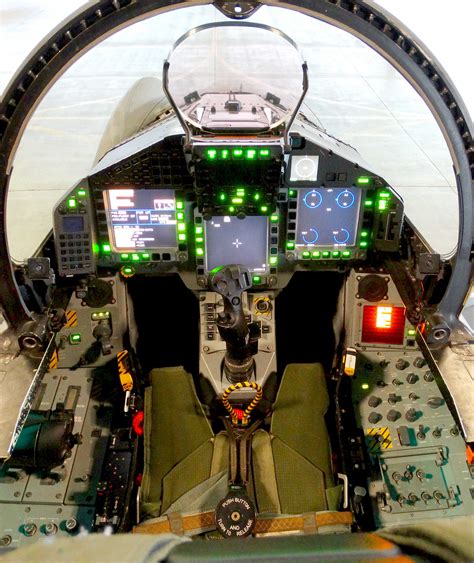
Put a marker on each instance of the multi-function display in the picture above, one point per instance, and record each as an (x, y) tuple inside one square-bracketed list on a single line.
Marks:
[(230, 240), (141, 219), (327, 217)]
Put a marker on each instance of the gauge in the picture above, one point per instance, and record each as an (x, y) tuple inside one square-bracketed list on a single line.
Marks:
[(304, 168), (345, 199), (313, 199), (310, 236)]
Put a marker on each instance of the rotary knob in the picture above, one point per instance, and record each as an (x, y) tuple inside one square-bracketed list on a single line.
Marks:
[(393, 415), (393, 398), (411, 415), (401, 364), (412, 378), (374, 401), (374, 417), (419, 362), (435, 402), (428, 377)]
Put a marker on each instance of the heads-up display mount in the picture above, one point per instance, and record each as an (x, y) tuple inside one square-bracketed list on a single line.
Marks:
[(237, 241), (141, 219)]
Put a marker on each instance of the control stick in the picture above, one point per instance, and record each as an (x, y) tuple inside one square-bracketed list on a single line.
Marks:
[(241, 338)]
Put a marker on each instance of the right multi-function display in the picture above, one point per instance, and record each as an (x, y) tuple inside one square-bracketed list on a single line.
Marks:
[(327, 217)]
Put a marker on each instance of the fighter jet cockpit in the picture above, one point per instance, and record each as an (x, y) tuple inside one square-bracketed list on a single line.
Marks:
[(234, 331)]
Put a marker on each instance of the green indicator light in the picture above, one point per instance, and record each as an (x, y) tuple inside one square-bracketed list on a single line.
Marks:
[(256, 197), (273, 260), (364, 234), (71, 203), (124, 256), (290, 245), (237, 153), (257, 279), (384, 195), (199, 239), (292, 193), (274, 218), (200, 251), (382, 205), (145, 256), (81, 193), (363, 180), (240, 192), (224, 154), (237, 200), (264, 209), (368, 203), (411, 332), (264, 152), (199, 230), (336, 254), (127, 271), (181, 237), (326, 254), (106, 248), (231, 209), (316, 254), (365, 386), (222, 197), (95, 248), (346, 254), (179, 205), (251, 154), (306, 254), (135, 257), (75, 338), (180, 216), (211, 154), (363, 244), (181, 227)]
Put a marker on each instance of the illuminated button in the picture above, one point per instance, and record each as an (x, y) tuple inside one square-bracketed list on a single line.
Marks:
[(106, 248), (273, 260), (264, 153), (336, 254), (346, 254), (200, 251), (181, 227), (124, 256), (81, 193), (326, 254), (363, 244), (306, 255), (264, 209), (211, 154), (292, 193), (71, 203), (256, 279), (127, 271), (231, 209), (316, 255), (135, 257), (256, 196), (251, 154), (182, 237), (290, 245), (179, 205), (363, 180), (274, 218), (75, 338), (237, 153), (368, 203), (200, 239), (382, 205), (224, 154), (145, 256), (199, 230), (180, 216), (237, 200), (100, 315)]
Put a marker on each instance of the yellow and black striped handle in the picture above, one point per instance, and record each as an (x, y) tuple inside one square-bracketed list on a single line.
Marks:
[(253, 403)]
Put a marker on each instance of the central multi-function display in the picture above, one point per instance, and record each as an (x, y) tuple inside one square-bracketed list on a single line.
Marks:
[(141, 219)]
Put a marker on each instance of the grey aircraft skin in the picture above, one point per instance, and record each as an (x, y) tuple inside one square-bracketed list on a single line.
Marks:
[(233, 331)]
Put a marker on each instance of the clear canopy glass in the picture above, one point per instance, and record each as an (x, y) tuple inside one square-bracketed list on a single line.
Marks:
[(220, 77)]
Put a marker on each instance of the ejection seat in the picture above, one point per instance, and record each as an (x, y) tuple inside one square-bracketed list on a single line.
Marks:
[(186, 464)]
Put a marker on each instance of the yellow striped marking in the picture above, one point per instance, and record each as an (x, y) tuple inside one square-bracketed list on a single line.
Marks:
[(250, 407), (378, 438), (71, 319), (54, 360), (125, 376)]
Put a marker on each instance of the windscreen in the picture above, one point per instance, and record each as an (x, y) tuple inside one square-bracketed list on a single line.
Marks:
[(221, 77)]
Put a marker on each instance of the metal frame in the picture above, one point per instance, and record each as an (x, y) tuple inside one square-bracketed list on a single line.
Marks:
[(362, 18)]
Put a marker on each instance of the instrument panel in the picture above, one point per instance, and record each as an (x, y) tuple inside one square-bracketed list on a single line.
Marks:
[(323, 212)]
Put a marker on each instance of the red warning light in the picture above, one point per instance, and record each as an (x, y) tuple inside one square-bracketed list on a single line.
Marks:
[(383, 324)]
